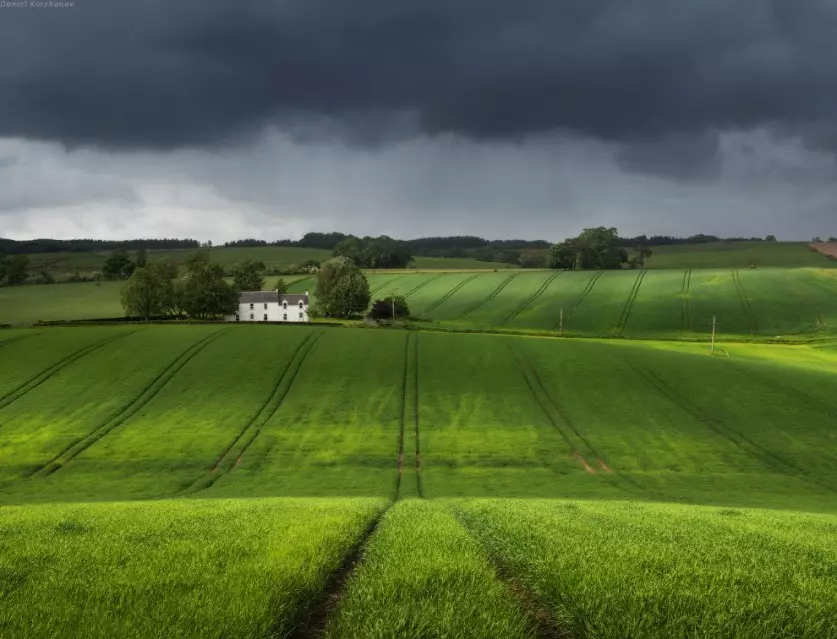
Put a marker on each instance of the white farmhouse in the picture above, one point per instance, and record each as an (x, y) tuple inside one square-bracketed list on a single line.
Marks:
[(270, 306)]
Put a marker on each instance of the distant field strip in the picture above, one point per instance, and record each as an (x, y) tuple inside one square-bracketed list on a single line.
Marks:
[(422, 284), (745, 303), (720, 427), (685, 308), (233, 453), (625, 315), (531, 299), (449, 294), (489, 297), (578, 300), (148, 393), (57, 367)]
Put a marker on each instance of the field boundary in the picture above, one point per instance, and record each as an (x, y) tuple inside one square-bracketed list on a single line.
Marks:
[(625, 315), (51, 371), (539, 615), (312, 622), (686, 302), (488, 297), (739, 440), (579, 299), (750, 316), (531, 299), (449, 294), (256, 424), (129, 410)]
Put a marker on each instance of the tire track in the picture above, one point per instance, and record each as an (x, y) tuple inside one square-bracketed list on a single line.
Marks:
[(419, 486), (385, 284), (816, 285), (421, 285), (403, 418), (52, 370), (528, 302), (625, 315), (578, 300), (14, 340), (741, 441), (254, 427), (750, 316), (685, 302), (449, 294), (574, 438), (489, 297), (312, 622), (146, 395)]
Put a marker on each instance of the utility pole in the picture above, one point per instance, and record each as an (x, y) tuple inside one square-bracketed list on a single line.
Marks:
[(713, 334), (393, 307), (561, 325)]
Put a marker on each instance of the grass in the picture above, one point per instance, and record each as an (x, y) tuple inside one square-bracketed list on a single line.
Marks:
[(214, 480), (657, 571), (220, 568), (737, 255)]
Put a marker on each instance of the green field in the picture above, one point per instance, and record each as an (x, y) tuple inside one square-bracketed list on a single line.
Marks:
[(738, 255), (251, 481)]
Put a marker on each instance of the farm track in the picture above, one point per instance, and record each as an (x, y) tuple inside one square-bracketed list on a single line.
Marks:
[(685, 302), (52, 370), (578, 300), (539, 615), (312, 623), (403, 417), (385, 284), (13, 340), (745, 303), (146, 395), (421, 285), (810, 283), (625, 315), (531, 299), (254, 427), (419, 486), (449, 294), (488, 298), (742, 442)]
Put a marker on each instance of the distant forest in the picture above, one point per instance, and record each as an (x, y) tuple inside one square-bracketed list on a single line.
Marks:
[(461, 246)]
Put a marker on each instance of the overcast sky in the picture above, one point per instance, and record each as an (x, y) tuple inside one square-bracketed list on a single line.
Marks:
[(220, 120)]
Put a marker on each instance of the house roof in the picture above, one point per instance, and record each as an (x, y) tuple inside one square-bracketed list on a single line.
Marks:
[(259, 297)]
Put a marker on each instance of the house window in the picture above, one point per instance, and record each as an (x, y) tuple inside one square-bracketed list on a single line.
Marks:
[(265, 317), (237, 318), (302, 316), (265, 306), (300, 303), (285, 305), (251, 307), (285, 317), (251, 316)]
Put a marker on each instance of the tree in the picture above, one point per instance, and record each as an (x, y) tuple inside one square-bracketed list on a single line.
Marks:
[(392, 307), (144, 294), (770, 238), (14, 270), (642, 251), (142, 256), (204, 293), (832, 239), (531, 260), (599, 249), (342, 289), (816, 240), (562, 256), (281, 286), (247, 276), (374, 252), (118, 266)]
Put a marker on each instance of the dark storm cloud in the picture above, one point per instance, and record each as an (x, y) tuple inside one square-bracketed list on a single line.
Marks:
[(654, 74)]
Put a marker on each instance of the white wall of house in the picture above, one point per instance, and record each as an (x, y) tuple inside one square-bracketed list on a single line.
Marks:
[(270, 312)]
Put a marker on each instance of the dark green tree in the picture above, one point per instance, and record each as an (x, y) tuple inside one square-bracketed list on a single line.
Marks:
[(770, 238), (388, 308), (342, 289), (248, 276), (14, 269), (142, 256), (562, 257), (204, 293), (118, 266)]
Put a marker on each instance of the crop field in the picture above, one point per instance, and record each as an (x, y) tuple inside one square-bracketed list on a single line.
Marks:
[(251, 481), (739, 255)]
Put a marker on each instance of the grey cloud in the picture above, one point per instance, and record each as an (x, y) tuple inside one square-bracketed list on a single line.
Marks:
[(164, 75)]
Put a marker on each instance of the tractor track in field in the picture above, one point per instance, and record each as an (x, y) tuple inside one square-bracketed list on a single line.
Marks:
[(403, 420), (488, 297), (384, 284), (750, 316), (810, 283), (544, 622), (51, 371), (419, 487), (525, 365), (151, 390), (742, 442), (421, 285), (253, 428), (312, 622), (449, 294), (14, 340), (531, 299), (579, 299), (685, 302), (625, 315)]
